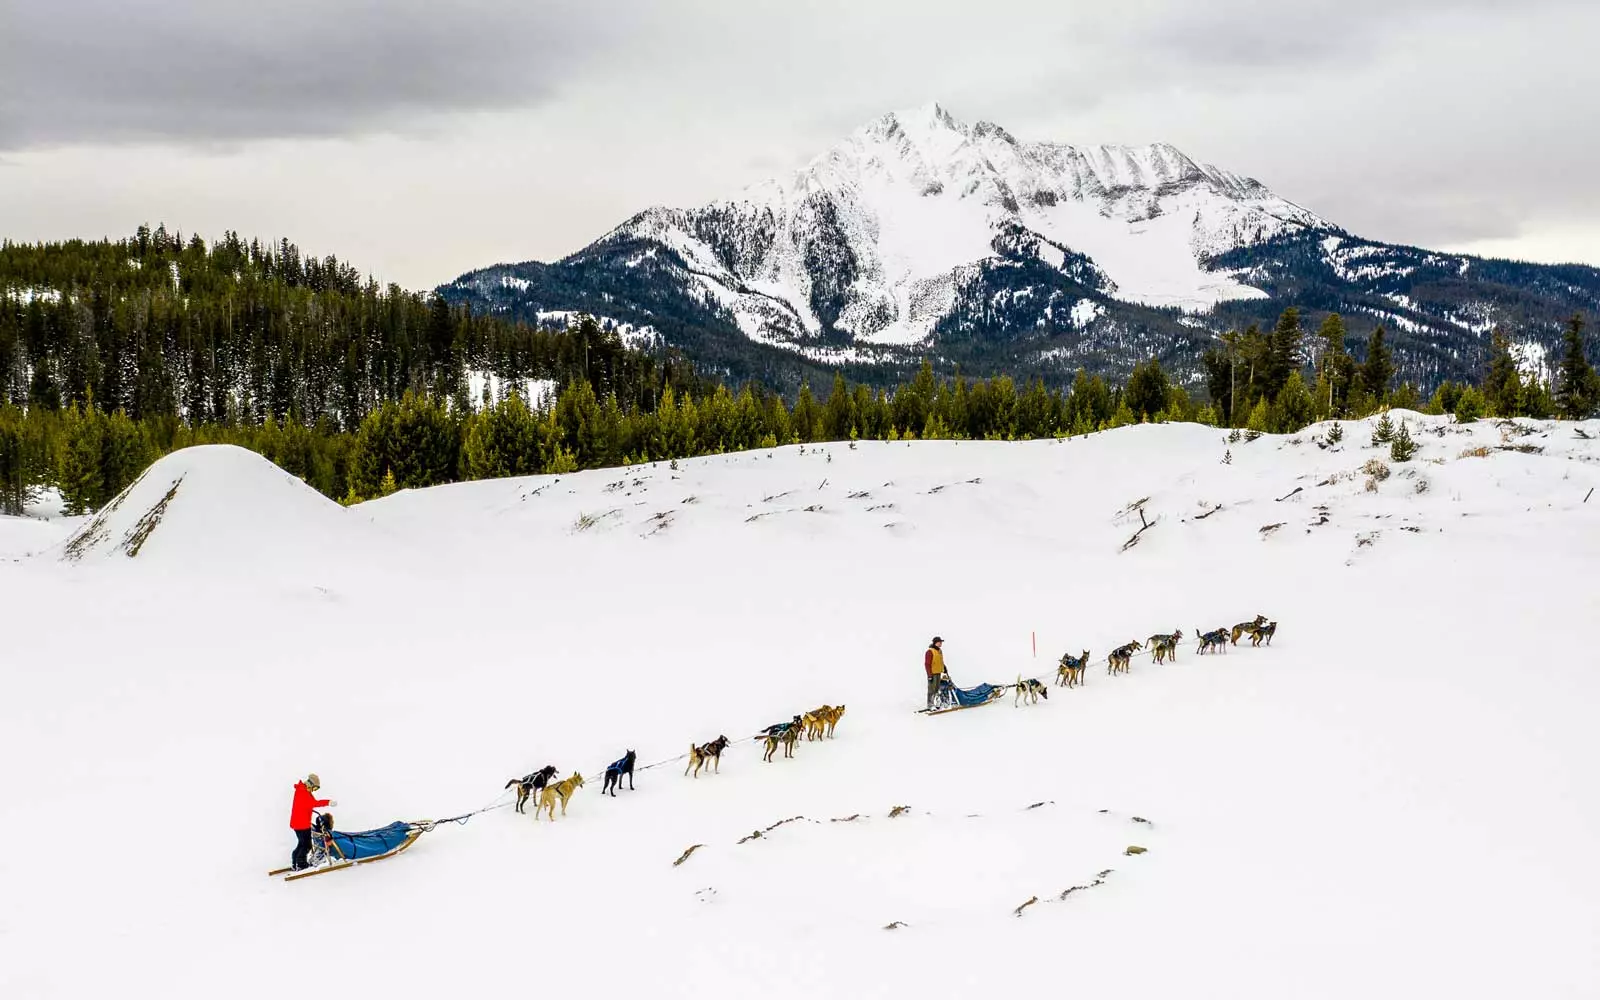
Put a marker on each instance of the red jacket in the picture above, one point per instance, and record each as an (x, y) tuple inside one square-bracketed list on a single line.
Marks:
[(304, 802)]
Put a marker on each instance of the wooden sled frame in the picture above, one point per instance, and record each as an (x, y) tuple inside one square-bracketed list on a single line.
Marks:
[(411, 838)]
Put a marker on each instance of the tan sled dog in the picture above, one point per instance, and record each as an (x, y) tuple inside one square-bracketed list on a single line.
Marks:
[(562, 790), (834, 715), (816, 722)]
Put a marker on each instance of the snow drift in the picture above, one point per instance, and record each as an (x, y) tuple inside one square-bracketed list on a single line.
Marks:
[(221, 508)]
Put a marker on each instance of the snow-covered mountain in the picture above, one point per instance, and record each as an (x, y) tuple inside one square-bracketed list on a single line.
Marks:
[(923, 235)]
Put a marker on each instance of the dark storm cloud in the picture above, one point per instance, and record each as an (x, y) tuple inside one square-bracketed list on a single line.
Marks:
[(98, 71)]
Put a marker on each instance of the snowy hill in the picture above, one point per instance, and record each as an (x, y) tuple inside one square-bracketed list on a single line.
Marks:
[(920, 235), (1390, 800), (220, 509)]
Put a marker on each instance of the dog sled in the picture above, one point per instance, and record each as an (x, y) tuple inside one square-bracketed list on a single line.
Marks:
[(332, 850), (953, 699)]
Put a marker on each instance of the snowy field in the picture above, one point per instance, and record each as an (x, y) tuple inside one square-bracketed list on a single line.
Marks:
[(1396, 799)]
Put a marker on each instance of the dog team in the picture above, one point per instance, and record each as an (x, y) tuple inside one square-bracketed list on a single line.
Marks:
[(816, 724), (1163, 647)]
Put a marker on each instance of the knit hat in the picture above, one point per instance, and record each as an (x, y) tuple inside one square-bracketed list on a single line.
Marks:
[(312, 781)]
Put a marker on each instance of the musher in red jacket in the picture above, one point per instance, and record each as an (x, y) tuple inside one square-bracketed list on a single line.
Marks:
[(300, 817)]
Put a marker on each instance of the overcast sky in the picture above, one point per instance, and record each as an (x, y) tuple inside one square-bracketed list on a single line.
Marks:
[(419, 139)]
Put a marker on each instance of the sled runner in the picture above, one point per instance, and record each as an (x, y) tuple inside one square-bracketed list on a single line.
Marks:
[(954, 699), (332, 850)]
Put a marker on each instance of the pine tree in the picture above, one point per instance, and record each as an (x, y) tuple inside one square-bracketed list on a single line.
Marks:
[(1444, 398), (1383, 430), (79, 476), (1334, 366), (1469, 405), (1577, 386), (1406, 397), (1378, 370), (1260, 418), (1293, 407), (1147, 389), (1502, 384), (1283, 352), (806, 418), (1402, 448)]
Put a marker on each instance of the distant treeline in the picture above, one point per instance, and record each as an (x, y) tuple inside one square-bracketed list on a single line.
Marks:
[(114, 354)]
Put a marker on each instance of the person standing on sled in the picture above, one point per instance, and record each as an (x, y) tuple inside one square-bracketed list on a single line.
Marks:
[(933, 664), (305, 800)]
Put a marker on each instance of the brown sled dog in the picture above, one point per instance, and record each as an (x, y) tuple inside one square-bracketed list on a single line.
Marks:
[(561, 790), (1266, 632), (1121, 657), (1070, 672), (712, 752), (1165, 647), (785, 735), (1245, 627)]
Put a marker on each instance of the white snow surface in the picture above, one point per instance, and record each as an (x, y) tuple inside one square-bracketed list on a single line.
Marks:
[(1393, 800), (916, 197)]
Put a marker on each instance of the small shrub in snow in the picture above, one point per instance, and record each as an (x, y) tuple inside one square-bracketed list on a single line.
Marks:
[(1251, 435), (1335, 433), (1403, 448), (1383, 430), (1372, 484), (1227, 457), (1233, 436), (1376, 469), (1481, 451)]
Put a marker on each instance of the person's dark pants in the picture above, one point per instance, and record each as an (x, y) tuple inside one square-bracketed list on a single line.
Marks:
[(302, 849), (933, 688)]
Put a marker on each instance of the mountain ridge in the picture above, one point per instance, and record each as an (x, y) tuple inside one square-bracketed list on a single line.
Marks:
[(919, 236)]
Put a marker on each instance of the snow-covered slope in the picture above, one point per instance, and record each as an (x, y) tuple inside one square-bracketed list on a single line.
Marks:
[(1392, 800)]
